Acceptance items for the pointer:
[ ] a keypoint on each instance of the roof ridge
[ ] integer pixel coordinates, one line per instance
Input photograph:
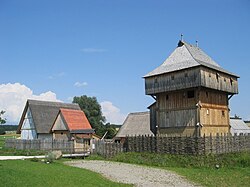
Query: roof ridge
(33, 101)
(138, 113)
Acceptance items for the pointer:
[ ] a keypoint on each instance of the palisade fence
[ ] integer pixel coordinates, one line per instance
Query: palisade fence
(108, 149)
(44, 145)
(190, 145)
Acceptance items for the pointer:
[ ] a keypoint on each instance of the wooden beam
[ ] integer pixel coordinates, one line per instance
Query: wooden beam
(230, 97)
(154, 97)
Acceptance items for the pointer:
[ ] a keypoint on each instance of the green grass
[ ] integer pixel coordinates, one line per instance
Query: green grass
(234, 168)
(29, 173)
(224, 177)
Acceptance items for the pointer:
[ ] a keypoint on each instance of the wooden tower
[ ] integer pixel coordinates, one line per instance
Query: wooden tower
(191, 93)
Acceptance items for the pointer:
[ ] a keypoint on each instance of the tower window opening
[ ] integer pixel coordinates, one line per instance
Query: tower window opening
(217, 76)
(190, 94)
(167, 97)
(207, 94)
(231, 81)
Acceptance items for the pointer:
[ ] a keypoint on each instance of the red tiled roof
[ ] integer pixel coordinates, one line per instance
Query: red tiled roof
(75, 119)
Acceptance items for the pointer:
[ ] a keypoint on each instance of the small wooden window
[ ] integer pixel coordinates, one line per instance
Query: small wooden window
(231, 81)
(223, 113)
(217, 76)
(207, 94)
(156, 81)
(172, 77)
(186, 75)
(225, 80)
(61, 133)
(167, 97)
(209, 74)
(190, 94)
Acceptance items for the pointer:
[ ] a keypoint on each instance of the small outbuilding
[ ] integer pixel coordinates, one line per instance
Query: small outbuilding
(135, 124)
(71, 124)
(238, 127)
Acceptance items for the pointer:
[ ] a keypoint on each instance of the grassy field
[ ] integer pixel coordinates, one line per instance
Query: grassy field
(232, 169)
(30, 173)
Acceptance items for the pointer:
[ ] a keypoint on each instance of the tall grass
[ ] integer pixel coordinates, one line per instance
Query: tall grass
(230, 160)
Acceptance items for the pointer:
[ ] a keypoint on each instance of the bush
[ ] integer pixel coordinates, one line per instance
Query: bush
(49, 158)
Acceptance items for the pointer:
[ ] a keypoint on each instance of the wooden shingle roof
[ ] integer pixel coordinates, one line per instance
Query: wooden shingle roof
(135, 124)
(44, 113)
(186, 56)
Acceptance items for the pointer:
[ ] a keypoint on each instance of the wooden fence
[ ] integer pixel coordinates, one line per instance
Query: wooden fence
(177, 145)
(108, 149)
(48, 145)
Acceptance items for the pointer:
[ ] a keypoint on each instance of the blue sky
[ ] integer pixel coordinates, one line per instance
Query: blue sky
(103, 48)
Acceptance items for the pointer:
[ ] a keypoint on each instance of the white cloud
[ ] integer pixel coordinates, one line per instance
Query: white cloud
(112, 113)
(70, 99)
(80, 84)
(14, 96)
(93, 50)
(58, 75)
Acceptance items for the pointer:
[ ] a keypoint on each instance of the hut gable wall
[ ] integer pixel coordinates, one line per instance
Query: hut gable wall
(28, 130)
(59, 124)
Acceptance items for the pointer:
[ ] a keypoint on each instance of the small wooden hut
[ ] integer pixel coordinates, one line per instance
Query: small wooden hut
(191, 93)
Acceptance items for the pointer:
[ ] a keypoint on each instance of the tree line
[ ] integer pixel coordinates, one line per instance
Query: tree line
(93, 111)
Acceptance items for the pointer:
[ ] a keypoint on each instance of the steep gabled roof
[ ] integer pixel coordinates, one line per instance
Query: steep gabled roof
(76, 121)
(186, 56)
(44, 113)
(135, 124)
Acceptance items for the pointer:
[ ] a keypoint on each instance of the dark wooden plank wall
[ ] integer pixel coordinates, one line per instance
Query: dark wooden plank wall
(172, 81)
(218, 81)
(191, 78)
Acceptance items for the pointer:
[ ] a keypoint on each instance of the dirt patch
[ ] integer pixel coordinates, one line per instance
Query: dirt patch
(133, 174)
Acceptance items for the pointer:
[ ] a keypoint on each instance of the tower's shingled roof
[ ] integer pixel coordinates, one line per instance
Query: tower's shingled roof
(186, 56)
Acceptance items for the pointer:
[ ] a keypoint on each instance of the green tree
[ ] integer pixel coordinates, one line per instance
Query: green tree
(2, 120)
(111, 132)
(92, 110)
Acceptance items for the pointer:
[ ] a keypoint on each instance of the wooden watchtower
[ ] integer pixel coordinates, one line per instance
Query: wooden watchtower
(191, 93)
